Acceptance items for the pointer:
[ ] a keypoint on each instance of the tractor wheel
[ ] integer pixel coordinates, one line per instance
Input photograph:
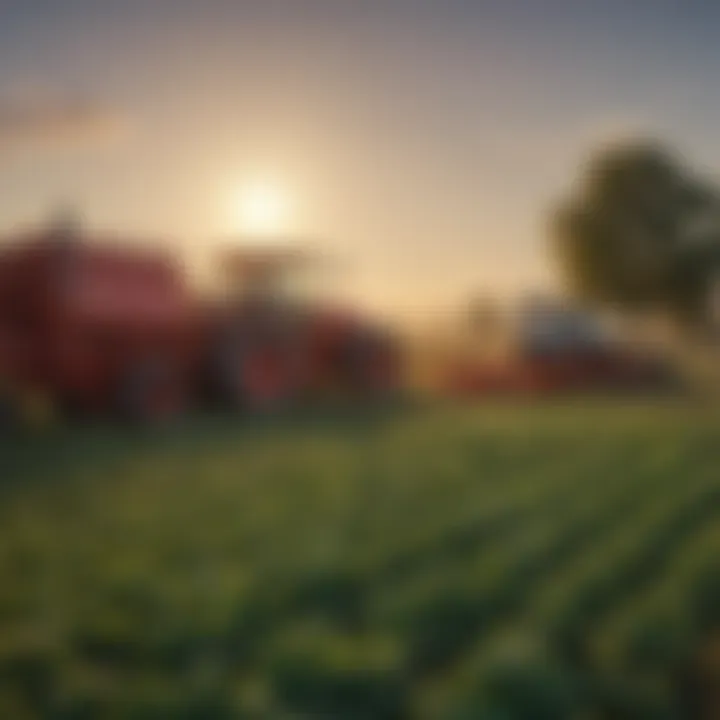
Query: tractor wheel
(373, 367)
(35, 410)
(256, 378)
(151, 392)
(28, 409)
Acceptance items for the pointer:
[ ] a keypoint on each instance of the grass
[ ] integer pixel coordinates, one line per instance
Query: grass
(505, 561)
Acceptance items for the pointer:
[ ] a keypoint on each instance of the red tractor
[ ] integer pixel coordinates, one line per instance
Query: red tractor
(100, 328)
(270, 344)
(554, 350)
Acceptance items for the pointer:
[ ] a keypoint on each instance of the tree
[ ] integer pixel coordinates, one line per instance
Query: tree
(640, 233)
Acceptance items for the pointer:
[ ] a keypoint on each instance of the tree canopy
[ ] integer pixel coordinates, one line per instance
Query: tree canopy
(640, 231)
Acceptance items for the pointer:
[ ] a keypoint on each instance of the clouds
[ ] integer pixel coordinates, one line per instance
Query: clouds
(31, 122)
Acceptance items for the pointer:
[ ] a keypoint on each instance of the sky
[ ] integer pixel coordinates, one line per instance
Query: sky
(424, 142)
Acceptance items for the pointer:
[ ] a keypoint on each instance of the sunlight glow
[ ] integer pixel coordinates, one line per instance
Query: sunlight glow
(262, 209)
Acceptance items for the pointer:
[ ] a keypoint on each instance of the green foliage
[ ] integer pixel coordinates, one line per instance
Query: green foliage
(640, 232)
(362, 571)
(705, 600)
(336, 676)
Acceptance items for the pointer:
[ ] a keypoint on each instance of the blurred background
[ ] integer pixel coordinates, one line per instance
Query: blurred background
(359, 360)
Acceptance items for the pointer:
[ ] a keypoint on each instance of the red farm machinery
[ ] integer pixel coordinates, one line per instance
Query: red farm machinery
(104, 328)
(548, 348)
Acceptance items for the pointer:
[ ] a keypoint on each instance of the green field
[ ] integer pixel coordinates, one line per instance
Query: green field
(503, 562)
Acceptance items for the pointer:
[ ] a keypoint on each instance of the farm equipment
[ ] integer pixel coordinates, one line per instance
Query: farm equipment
(272, 345)
(556, 350)
(100, 328)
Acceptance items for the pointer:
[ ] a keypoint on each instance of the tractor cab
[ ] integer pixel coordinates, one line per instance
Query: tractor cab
(283, 286)
(271, 273)
(282, 334)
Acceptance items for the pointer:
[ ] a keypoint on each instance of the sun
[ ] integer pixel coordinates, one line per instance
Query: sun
(262, 209)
